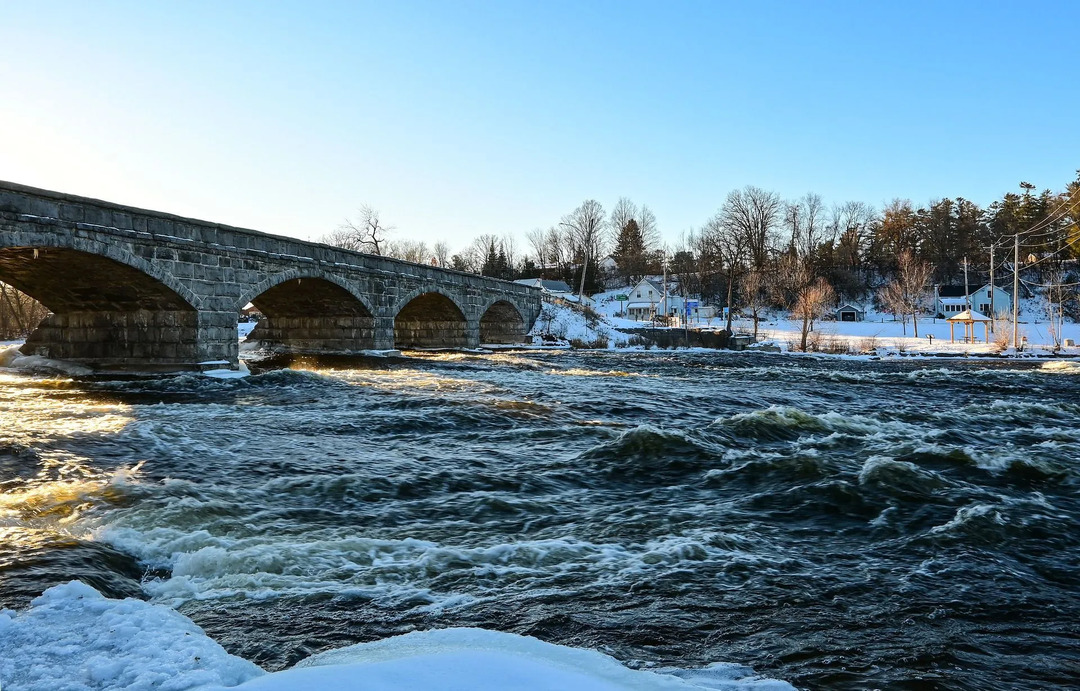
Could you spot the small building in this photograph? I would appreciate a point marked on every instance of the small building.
(701, 312)
(952, 300)
(848, 312)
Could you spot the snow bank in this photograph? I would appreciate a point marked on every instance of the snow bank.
(75, 639)
(569, 323)
(478, 660)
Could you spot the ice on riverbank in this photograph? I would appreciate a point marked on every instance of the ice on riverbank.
(75, 639)
(11, 358)
(480, 660)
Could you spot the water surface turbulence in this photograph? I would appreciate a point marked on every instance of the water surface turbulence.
(838, 524)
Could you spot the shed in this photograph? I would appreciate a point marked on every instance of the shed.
(969, 318)
(850, 313)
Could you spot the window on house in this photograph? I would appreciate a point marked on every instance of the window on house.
(639, 293)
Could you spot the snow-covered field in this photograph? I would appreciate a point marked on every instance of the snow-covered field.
(73, 638)
(879, 332)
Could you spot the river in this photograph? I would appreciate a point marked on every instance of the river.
(838, 524)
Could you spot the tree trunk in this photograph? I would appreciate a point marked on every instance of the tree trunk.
(805, 331)
(730, 287)
(915, 324)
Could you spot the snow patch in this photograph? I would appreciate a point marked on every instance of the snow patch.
(480, 660)
(73, 638)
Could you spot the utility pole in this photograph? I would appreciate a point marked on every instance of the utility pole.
(664, 298)
(967, 291)
(993, 289)
(1016, 292)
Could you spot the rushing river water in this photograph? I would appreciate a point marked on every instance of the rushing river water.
(838, 524)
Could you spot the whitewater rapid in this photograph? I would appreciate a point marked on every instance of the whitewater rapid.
(833, 524)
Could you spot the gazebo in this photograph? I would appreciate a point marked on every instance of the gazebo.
(969, 318)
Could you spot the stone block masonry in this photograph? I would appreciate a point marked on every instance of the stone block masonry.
(135, 289)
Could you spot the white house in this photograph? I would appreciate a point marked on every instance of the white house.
(951, 300)
(648, 299)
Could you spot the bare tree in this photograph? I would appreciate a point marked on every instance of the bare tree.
(755, 288)
(509, 248)
(442, 253)
(558, 243)
(537, 240)
(753, 213)
(729, 242)
(622, 213)
(366, 234)
(650, 232)
(410, 250)
(19, 313)
(849, 227)
(805, 221)
(906, 294)
(586, 224)
(810, 305)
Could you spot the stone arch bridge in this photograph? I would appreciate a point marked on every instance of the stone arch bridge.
(136, 289)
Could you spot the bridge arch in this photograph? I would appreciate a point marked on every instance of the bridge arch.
(502, 322)
(429, 318)
(111, 251)
(310, 312)
(109, 308)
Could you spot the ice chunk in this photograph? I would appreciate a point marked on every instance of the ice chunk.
(75, 639)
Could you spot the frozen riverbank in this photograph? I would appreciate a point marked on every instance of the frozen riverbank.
(75, 639)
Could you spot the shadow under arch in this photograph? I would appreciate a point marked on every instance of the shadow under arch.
(430, 320)
(106, 313)
(502, 323)
(309, 314)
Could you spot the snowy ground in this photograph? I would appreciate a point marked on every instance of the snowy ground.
(73, 638)
(878, 331)
(865, 336)
(568, 323)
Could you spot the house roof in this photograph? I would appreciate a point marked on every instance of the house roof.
(549, 286)
(969, 316)
(850, 306)
(556, 286)
(951, 291)
(958, 291)
(954, 301)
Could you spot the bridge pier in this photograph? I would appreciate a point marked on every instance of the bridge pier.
(217, 338)
(383, 333)
(116, 340)
(472, 333)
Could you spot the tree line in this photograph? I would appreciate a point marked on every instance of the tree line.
(760, 250)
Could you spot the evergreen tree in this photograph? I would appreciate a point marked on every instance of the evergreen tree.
(491, 262)
(629, 251)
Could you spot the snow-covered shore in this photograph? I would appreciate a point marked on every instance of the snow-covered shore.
(878, 334)
(74, 638)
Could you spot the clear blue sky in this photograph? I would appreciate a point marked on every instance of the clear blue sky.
(461, 118)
